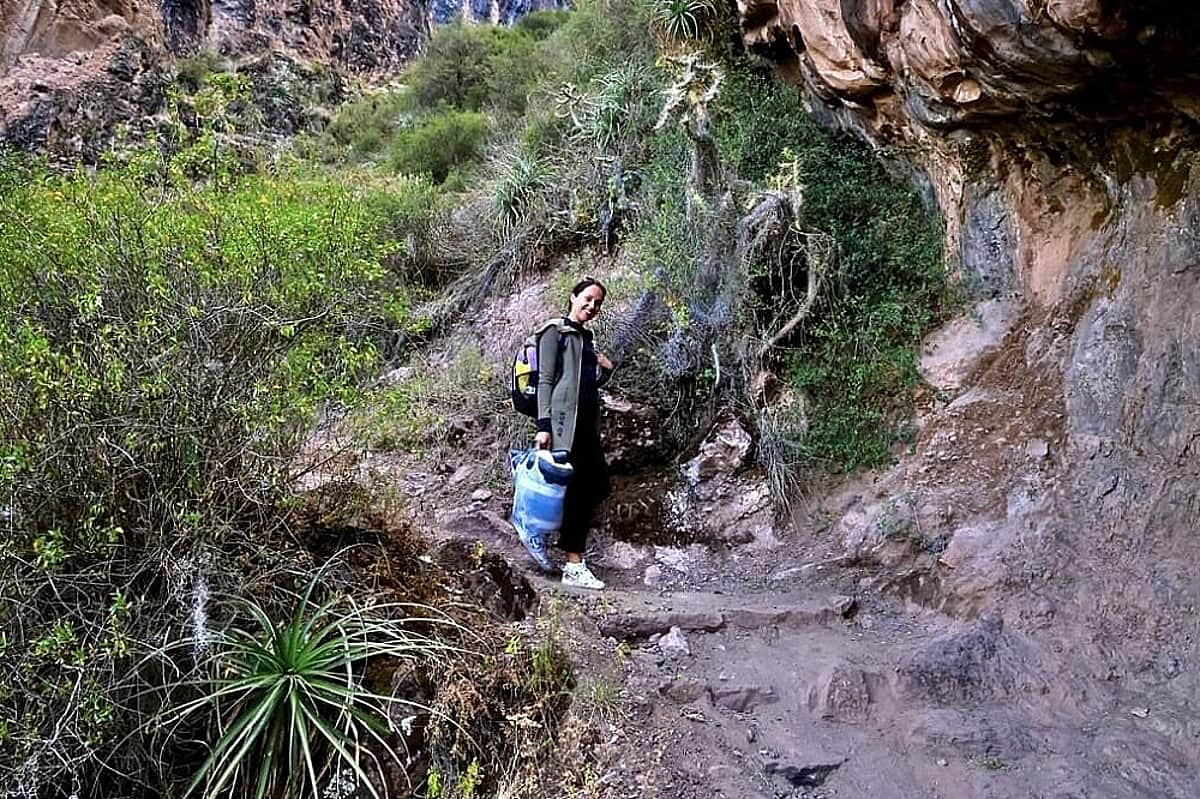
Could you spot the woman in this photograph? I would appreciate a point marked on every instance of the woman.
(569, 420)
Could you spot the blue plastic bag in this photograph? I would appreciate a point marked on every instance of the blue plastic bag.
(539, 486)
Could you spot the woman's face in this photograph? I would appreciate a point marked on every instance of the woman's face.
(585, 305)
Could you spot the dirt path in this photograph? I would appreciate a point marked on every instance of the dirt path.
(740, 675)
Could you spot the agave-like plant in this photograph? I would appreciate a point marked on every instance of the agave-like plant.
(291, 709)
(617, 105)
(681, 20)
(605, 114)
(519, 182)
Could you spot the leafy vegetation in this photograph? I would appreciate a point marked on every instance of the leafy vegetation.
(478, 67)
(680, 20)
(293, 712)
(853, 359)
(164, 348)
(440, 144)
(856, 359)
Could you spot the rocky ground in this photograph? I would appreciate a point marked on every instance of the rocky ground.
(792, 673)
(899, 637)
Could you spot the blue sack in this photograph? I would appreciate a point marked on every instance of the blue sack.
(539, 486)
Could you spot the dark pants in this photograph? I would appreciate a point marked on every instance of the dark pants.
(588, 487)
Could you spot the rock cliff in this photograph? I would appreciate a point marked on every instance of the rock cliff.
(496, 11)
(72, 71)
(360, 35)
(1059, 479)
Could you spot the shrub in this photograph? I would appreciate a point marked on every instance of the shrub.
(599, 36)
(473, 68)
(162, 348)
(192, 71)
(443, 143)
(540, 24)
(857, 357)
(360, 128)
(854, 357)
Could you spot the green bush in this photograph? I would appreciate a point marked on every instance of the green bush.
(599, 36)
(473, 68)
(540, 24)
(444, 143)
(857, 357)
(191, 72)
(163, 347)
(757, 117)
(360, 129)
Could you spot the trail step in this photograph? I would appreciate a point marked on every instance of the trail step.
(688, 614)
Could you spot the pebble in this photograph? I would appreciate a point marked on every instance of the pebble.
(653, 576)
(674, 643)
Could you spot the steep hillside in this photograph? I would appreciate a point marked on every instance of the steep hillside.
(73, 73)
(371, 34)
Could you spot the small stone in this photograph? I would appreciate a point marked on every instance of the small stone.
(398, 375)
(788, 574)
(843, 605)
(622, 555)
(481, 495)
(1141, 712)
(682, 689)
(653, 576)
(674, 644)
(941, 761)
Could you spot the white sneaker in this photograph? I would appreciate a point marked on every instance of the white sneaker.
(578, 575)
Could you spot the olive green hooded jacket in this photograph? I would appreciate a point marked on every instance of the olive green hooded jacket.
(560, 359)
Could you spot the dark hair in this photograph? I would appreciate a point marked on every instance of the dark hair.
(584, 282)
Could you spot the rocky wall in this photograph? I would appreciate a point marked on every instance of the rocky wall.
(72, 72)
(1060, 138)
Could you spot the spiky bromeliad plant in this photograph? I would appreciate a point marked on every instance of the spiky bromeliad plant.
(291, 709)
(681, 20)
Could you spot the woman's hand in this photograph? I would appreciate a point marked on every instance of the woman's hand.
(542, 440)
(604, 362)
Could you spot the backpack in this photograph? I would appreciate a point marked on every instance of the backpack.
(523, 380)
